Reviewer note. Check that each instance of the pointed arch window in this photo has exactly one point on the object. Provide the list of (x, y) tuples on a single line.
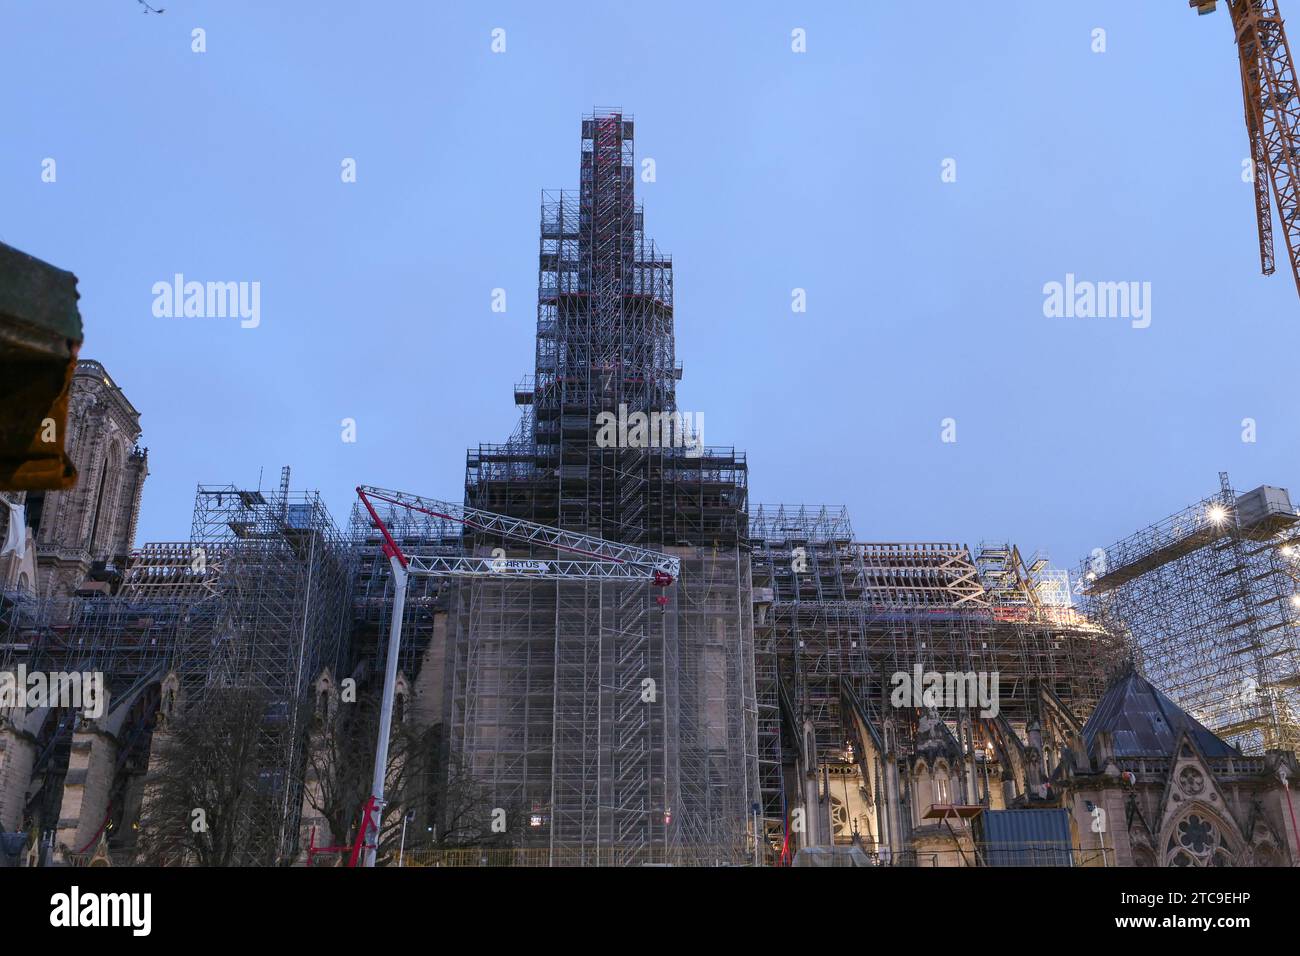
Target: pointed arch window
[(1197, 840), (101, 525), (99, 503)]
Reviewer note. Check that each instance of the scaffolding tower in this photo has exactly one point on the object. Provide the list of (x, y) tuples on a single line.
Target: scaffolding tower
[(1207, 601), (282, 576), (625, 727)]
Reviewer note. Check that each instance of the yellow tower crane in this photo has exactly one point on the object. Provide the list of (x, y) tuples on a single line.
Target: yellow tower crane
[(1272, 102)]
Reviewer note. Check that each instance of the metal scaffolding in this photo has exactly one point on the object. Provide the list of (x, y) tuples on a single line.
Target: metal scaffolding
[(1207, 601), (834, 614), (257, 599), (283, 577), (624, 725)]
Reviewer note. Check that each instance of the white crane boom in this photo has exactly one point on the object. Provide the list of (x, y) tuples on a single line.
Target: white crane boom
[(532, 533)]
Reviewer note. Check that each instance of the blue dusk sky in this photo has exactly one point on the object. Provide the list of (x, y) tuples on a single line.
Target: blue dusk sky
[(776, 170)]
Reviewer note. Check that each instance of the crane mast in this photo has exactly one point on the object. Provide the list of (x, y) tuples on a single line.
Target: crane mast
[(1272, 105)]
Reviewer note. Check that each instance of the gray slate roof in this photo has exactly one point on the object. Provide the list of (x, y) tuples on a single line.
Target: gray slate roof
[(1143, 722)]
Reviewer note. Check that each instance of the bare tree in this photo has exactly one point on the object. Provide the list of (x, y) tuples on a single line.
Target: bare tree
[(208, 790), (449, 808), (340, 764), (469, 817), (412, 773)]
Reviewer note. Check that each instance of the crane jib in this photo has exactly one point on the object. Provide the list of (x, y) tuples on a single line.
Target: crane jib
[(614, 560)]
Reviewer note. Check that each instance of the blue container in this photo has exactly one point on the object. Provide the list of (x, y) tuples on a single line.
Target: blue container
[(1023, 838)]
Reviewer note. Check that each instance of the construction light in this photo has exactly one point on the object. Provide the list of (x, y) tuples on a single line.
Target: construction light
[(1217, 514)]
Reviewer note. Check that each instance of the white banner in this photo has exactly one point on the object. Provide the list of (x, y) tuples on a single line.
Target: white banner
[(16, 535)]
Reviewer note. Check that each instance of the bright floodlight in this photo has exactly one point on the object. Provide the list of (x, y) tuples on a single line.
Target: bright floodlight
[(1217, 513)]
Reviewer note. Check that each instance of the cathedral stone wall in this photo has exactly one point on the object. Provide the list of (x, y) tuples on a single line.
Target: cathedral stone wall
[(96, 519)]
